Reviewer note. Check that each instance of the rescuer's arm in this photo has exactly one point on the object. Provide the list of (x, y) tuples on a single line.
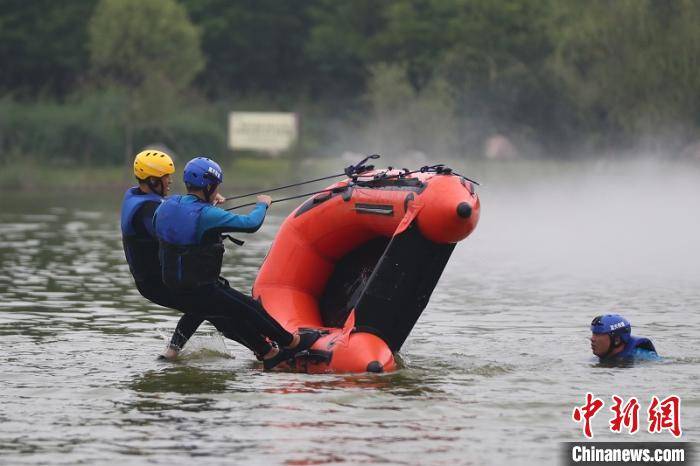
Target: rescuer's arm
[(221, 219), (217, 221)]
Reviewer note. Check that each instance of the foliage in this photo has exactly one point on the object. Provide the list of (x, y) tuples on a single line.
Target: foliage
[(409, 120), (88, 130), (150, 51), (133, 42), (342, 44), (631, 64), (43, 45), (252, 46), (426, 75)]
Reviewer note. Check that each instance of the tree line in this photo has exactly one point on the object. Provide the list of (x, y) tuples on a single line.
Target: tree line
[(437, 75)]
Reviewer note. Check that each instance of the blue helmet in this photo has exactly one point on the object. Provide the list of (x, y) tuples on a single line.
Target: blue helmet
[(202, 172), (613, 325)]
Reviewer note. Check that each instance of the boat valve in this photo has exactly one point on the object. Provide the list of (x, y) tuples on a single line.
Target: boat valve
[(464, 210)]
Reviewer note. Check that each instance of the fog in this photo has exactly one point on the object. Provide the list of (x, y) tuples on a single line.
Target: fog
[(599, 220)]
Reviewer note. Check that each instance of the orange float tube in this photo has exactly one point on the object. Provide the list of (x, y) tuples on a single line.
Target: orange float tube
[(360, 262)]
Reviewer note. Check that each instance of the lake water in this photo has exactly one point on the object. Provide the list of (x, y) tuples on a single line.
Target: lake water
[(492, 370)]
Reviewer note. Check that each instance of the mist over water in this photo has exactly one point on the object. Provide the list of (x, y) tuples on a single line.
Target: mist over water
[(599, 222), (493, 369)]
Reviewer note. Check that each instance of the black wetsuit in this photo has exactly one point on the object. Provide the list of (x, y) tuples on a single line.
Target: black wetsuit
[(236, 315), (191, 252)]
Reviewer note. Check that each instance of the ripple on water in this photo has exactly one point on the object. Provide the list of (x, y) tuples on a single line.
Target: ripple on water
[(489, 375)]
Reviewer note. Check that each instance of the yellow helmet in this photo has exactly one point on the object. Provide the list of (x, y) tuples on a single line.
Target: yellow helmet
[(153, 163)]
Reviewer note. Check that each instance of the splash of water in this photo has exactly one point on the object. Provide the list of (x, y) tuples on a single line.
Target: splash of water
[(201, 345)]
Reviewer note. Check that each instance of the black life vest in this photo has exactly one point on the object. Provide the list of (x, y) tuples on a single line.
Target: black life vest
[(140, 249)]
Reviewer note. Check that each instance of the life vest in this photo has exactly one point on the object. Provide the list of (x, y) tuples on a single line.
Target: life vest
[(633, 344), (141, 250), (186, 264)]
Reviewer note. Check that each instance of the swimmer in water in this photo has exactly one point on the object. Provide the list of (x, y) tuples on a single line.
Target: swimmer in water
[(612, 340)]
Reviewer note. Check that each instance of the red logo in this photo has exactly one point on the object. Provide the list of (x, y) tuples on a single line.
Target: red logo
[(665, 415), (662, 415), (625, 416), (586, 413)]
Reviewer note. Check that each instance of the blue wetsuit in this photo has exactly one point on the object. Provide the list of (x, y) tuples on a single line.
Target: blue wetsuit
[(641, 354), (639, 348), (189, 231), (214, 221), (636, 348)]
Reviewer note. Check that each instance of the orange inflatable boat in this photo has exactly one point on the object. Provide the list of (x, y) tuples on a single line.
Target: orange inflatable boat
[(360, 261)]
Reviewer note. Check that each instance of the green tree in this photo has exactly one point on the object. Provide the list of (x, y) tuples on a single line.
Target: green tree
[(149, 50), (253, 46), (43, 46), (496, 65), (491, 55), (406, 119), (631, 65), (342, 45), (417, 36)]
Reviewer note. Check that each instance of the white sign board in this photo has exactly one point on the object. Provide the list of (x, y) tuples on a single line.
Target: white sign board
[(263, 131)]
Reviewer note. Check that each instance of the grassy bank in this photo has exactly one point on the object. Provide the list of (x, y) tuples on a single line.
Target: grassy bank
[(245, 174), (241, 174)]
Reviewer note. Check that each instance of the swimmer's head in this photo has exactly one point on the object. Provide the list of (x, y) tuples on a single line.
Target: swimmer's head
[(610, 333)]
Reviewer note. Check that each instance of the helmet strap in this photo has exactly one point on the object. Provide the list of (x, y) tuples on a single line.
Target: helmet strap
[(612, 346), (208, 191), (156, 185)]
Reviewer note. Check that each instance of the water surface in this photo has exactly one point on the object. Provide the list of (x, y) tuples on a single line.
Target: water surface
[(492, 370)]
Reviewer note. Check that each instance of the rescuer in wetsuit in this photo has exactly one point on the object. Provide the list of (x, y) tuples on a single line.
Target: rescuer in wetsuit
[(189, 229), (612, 340), (152, 169)]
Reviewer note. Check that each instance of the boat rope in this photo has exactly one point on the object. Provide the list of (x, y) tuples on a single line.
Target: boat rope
[(329, 190), (284, 187), (354, 172), (350, 171)]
